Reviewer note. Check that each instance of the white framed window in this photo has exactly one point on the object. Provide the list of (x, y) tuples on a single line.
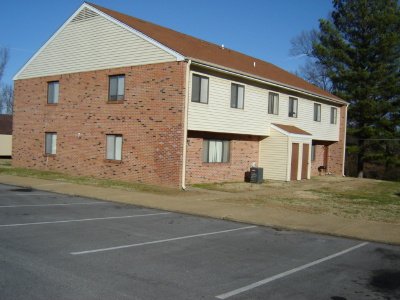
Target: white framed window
[(313, 152), (237, 95), (333, 115), (53, 90), (114, 146), (293, 106), (273, 103), (200, 89), (116, 90), (317, 112), (50, 143), (216, 151)]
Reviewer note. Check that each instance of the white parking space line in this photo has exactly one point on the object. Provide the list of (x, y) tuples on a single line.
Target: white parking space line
[(54, 204), (286, 273), (29, 194), (83, 220), (160, 241)]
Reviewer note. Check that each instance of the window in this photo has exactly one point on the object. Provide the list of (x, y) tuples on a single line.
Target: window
[(237, 96), (50, 143), (199, 89), (116, 88), (333, 115), (293, 107), (273, 103), (215, 151), (114, 147), (313, 153), (52, 92), (317, 112)]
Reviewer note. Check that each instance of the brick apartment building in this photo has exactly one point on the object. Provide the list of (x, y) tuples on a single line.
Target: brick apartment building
[(116, 97)]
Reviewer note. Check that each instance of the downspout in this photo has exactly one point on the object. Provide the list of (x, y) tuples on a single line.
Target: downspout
[(185, 125), (344, 140)]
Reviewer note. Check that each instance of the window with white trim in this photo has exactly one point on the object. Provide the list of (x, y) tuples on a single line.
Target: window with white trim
[(237, 95), (199, 89), (293, 105), (317, 112), (216, 151), (50, 143), (313, 152), (53, 89), (333, 115), (273, 103), (114, 146), (116, 90)]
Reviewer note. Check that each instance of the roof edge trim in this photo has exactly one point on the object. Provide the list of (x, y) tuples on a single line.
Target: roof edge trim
[(49, 41), (178, 56), (303, 136), (262, 80)]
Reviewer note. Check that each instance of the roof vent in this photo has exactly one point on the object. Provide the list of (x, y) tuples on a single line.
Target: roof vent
[(254, 64), (222, 46), (84, 15)]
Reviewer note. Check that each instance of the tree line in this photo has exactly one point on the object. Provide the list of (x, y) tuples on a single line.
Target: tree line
[(6, 90), (355, 54)]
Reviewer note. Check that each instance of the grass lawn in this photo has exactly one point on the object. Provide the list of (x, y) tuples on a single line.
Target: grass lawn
[(7, 169), (348, 197)]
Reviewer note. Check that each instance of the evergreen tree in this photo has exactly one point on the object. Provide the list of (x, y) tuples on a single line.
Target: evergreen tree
[(359, 48)]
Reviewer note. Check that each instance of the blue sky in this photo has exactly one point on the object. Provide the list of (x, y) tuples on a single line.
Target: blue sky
[(260, 28)]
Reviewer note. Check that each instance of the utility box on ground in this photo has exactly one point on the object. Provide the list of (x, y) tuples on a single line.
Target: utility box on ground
[(256, 175)]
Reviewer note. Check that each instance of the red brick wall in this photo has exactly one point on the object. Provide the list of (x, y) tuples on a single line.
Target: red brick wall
[(319, 159), (334, 151), (335, 155), (150, 120), (243, 152)]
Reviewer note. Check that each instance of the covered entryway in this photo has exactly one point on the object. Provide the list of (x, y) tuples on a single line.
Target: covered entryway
[(285, 154)]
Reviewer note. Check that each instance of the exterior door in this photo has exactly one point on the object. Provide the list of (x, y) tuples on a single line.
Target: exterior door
[(304, 167), (295, 161)]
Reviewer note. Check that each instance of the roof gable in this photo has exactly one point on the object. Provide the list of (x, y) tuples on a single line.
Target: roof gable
[(92, 40), (201, 50)]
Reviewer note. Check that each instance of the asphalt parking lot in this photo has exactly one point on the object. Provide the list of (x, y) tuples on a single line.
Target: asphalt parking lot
[(62, 247)]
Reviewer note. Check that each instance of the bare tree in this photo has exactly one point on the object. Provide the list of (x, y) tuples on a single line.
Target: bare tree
[(3, 61), (312, 71), (6, 99), (6, 90)]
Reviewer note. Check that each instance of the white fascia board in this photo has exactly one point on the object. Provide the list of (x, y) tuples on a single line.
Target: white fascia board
[(292, 135), (255, 78), (49, 41), (178, 56)]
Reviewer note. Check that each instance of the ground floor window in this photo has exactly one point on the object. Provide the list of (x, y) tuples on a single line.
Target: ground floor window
[(114, 147), (313, 153), (50, 143), (216, 151)]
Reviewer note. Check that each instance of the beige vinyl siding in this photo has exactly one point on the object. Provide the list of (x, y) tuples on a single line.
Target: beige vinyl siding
[(5, 145), (274, 155), (93, 44), (218, 116)]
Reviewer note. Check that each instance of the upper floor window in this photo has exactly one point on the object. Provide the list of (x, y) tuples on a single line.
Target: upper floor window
[(216, 151), (237, 95), (333, 115), (51, 143), (273, 103), (114, 146), (116, 89), (317, 112), (52, 92), (293, 105), (199, 89)]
